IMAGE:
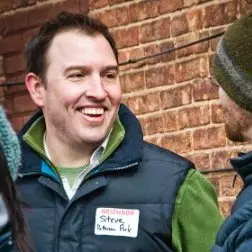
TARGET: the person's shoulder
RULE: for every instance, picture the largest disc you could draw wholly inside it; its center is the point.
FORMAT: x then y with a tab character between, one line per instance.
155	152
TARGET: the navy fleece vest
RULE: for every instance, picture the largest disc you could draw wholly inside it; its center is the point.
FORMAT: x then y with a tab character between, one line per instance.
137	176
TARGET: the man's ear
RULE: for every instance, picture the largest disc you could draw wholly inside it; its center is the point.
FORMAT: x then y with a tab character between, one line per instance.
36	88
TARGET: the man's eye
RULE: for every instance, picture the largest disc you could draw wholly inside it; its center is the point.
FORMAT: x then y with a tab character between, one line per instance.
110	75
76	76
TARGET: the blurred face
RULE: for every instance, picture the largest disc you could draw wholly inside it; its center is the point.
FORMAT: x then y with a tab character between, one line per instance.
237	120
82	93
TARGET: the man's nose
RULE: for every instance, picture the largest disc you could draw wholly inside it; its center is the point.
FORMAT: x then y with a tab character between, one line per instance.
96	88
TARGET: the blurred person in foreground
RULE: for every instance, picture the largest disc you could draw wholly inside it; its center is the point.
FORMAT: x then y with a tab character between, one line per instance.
232	72
91	181
12	224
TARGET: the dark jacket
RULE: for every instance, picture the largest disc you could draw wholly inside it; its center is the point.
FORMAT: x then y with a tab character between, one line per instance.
138	176
236	233
6	243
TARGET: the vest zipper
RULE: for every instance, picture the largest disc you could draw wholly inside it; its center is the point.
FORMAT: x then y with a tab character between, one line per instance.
85	179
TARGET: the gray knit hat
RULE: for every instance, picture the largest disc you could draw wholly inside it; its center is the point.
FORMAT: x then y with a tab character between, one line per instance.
232	64
9	144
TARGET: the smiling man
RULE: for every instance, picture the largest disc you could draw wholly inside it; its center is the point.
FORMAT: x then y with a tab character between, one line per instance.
92	183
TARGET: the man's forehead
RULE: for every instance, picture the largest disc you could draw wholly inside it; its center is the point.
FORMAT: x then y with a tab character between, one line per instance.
70	51
66	36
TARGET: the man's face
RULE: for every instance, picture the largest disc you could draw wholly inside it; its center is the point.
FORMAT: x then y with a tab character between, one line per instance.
237	120
82	93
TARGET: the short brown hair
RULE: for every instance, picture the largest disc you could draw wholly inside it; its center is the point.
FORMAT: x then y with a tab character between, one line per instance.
38	46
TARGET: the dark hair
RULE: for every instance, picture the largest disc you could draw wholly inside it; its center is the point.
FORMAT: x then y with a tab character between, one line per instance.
17	222
38	46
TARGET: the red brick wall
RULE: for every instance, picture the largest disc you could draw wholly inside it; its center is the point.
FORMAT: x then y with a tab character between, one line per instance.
171	94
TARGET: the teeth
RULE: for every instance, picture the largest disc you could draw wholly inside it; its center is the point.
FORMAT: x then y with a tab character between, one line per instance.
92	111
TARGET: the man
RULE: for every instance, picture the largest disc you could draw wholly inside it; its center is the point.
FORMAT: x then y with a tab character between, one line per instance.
232	72
90	180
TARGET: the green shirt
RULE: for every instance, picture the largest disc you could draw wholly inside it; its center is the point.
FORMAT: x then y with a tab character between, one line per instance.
71	174
196	218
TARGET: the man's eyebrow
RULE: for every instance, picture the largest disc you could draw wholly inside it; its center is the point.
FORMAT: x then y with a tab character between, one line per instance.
75	67
108	68
86	68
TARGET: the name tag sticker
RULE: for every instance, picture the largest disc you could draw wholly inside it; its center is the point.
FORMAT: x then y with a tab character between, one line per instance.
116	222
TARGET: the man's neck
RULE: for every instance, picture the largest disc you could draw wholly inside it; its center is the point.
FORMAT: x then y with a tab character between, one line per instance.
66	155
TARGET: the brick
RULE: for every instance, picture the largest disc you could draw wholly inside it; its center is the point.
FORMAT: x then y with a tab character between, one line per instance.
114	2
175	97
159	29
12	24
95	4
220	14
159	76
14	64
214	42
42	14
165	47
228	187
28	34
143	125
15	90
122	58
143	10
188	3
1	66
19	3
145	103
245	7
2	19
31	2
126	37
154	124
179	25
203	89
5	5
217	113
23	103
67	5
132	82
39	15
137	53
193	117
220	159
133	54
170	121
2	89
225	206
193	49
195	20
191	69
115	17
200	160
11	44
216	183
207	138
151	50
170	6
17	122
84	6
231	11
180	142
154	140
